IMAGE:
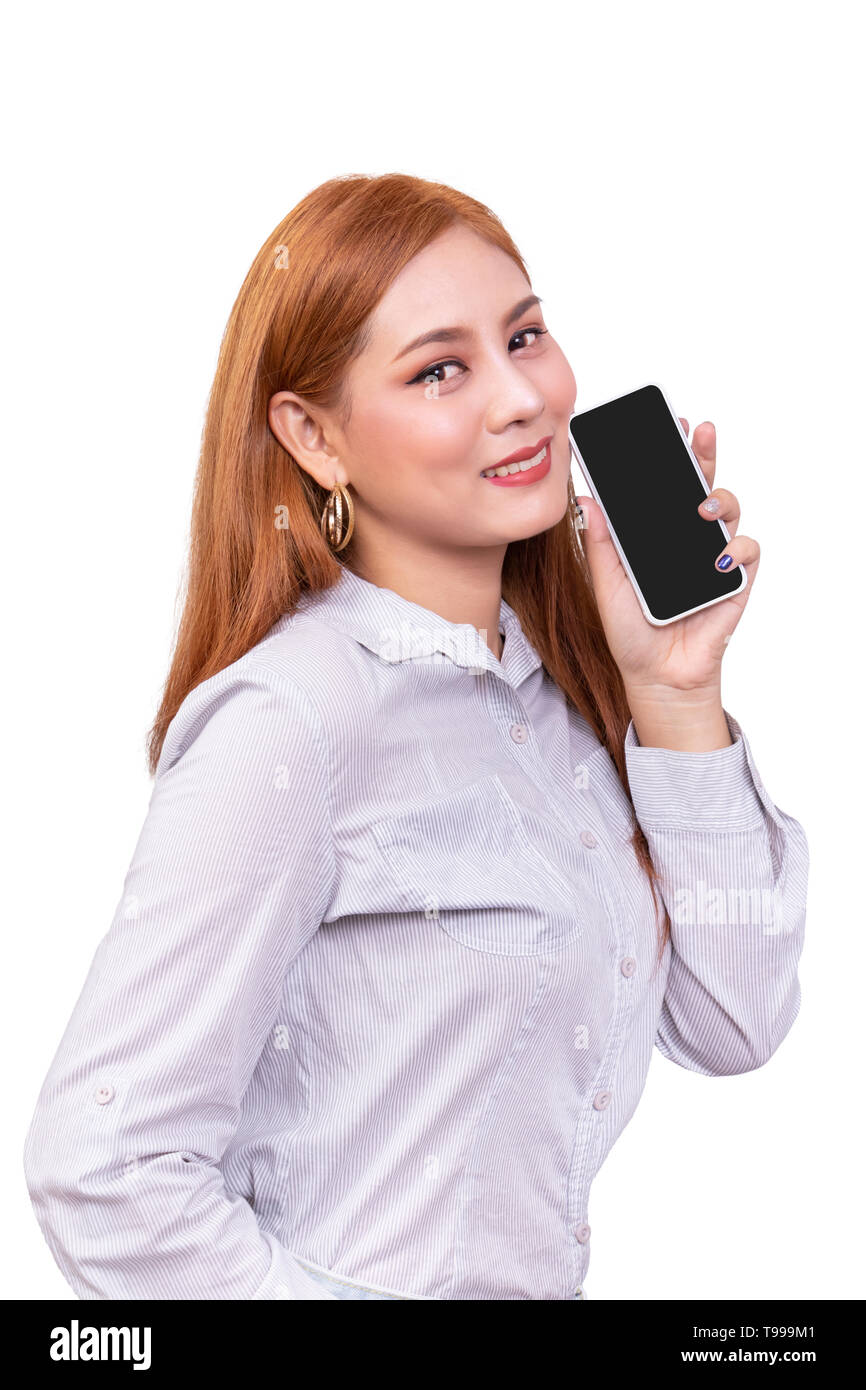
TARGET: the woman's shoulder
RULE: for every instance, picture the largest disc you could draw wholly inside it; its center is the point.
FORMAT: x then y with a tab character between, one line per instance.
324	662
294	680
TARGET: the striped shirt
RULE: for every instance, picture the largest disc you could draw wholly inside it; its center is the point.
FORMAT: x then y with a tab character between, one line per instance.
380	992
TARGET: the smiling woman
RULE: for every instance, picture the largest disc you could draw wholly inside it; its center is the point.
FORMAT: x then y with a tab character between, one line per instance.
395	943
416	444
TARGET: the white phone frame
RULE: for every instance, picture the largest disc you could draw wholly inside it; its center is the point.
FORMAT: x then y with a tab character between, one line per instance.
656	622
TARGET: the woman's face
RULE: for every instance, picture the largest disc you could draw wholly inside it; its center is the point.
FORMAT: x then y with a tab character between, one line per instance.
427	420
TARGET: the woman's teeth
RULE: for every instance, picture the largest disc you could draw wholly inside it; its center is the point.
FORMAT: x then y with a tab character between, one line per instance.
515	467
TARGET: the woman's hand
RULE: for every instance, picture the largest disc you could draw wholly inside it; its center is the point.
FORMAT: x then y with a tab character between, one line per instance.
677	667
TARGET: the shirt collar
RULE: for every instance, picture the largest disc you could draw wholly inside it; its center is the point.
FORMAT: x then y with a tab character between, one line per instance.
398	630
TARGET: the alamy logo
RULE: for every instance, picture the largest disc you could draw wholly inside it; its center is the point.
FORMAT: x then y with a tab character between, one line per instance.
463	644
101	1344
706	904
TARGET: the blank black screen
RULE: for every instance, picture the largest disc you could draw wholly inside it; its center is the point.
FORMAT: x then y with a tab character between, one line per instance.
647	483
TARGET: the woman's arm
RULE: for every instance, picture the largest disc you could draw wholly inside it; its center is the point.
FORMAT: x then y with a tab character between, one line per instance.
734	870
231	876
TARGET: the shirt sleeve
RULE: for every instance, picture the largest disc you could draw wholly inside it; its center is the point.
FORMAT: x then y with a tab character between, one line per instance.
734	870
231	876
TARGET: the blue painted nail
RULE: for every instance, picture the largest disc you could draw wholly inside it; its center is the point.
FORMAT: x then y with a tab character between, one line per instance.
725	562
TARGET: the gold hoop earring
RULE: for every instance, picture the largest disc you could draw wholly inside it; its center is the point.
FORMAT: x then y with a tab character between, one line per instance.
574	506
332	518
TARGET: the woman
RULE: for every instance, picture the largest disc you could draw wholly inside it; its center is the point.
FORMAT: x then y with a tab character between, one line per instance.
443	836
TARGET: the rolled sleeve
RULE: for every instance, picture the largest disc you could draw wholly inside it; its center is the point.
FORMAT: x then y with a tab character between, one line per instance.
716	790
231	876
733	872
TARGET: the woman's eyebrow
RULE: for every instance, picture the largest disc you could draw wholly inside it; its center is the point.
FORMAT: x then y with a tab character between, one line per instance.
448	335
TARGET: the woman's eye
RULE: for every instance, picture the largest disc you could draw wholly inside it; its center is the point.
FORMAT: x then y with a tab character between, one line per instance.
428	374
538	332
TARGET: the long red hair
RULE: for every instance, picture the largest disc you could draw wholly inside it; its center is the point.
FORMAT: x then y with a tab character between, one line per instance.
300	318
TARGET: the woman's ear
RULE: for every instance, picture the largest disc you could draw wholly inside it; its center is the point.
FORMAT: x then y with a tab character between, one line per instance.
302	434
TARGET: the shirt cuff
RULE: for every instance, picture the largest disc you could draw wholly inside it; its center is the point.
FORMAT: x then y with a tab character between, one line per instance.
679	790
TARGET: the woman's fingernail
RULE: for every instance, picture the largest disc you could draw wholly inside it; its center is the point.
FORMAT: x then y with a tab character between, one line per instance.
712	504
725	562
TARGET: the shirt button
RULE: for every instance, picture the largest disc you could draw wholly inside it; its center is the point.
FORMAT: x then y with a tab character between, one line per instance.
602	1100
582	1233
518	733
103	1094
587	838
627	965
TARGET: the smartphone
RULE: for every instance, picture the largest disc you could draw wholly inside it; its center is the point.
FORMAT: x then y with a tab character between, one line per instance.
640	469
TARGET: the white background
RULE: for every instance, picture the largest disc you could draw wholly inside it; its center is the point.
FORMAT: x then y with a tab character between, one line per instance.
684	182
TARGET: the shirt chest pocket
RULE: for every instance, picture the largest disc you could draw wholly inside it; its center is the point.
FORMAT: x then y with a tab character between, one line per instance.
466	861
